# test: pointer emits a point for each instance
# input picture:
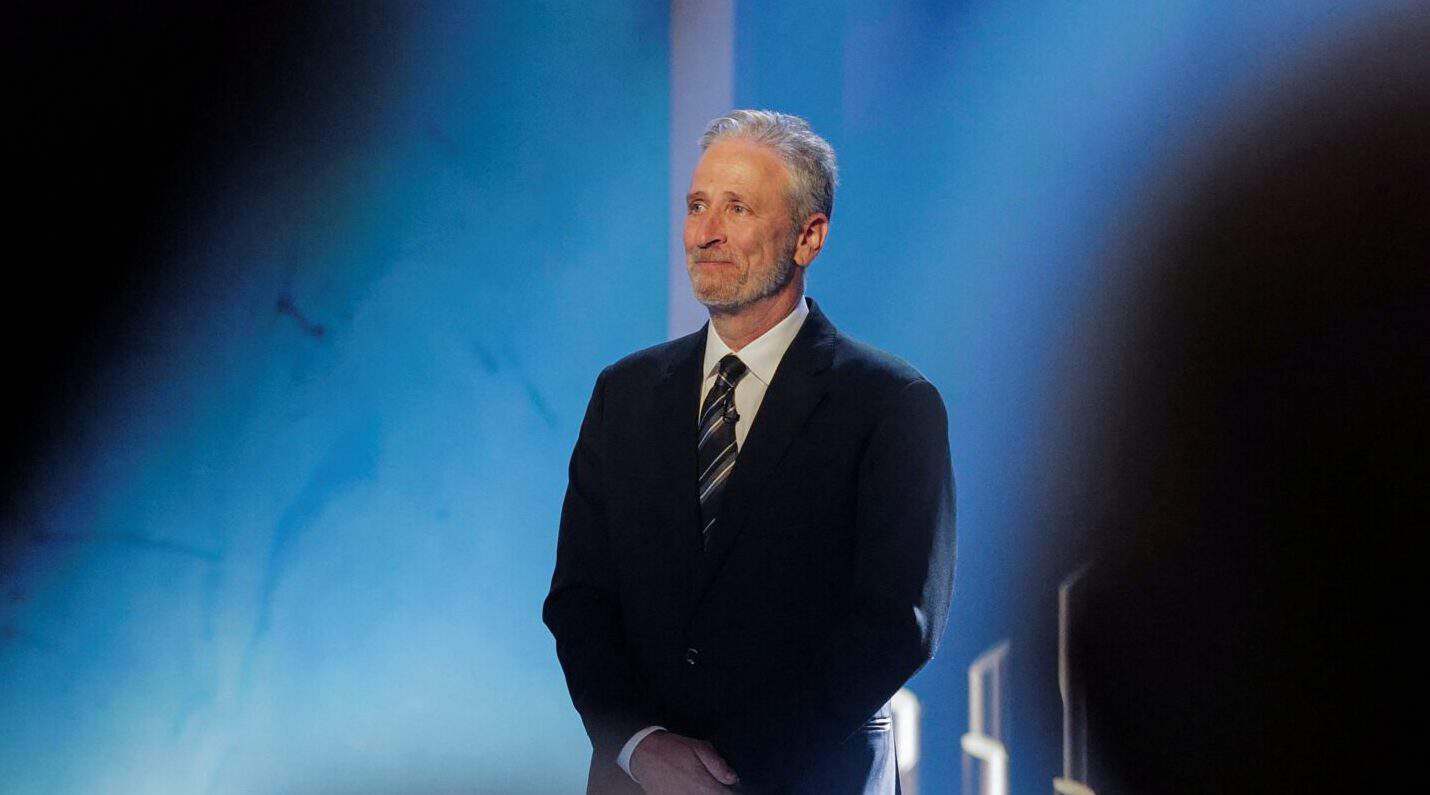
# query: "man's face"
(739, 242)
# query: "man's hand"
(665, 762)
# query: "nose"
(708, 230)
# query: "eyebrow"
(700, 194)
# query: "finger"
(693, 778)
(717, 766)
(705, 786)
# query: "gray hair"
(809, 158)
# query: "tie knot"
(731, 369)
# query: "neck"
(740, 327)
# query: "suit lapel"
(676, 398)
(798, 386)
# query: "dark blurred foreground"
(1259, 485)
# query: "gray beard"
(773, 281)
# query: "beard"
(749, 288)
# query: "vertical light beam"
(702, 86)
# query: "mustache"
(708, 256)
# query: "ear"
(811, 239)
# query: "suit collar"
(813, 347)
(683, 353)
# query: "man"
(756, 546)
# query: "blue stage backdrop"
(298, 539)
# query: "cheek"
(760, 252)
(749, 246)
(766, 242)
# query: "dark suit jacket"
(825, 584)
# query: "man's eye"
(739, 209)
(694, 207)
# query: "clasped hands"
(668, 763)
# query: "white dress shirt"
(761, 357)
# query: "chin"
(718, 303)
(714, 294)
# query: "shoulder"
(858, 366)
(890, 397)
(651, 364)
(876, 374)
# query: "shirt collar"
(762, 356)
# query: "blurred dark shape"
(128, 123)
(1260, 584)
(285, 306)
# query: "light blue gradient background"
(264, 561)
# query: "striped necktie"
(717, 449)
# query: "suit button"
(692, 656)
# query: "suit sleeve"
(903, 581)
(583, 610)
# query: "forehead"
(739, 166)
